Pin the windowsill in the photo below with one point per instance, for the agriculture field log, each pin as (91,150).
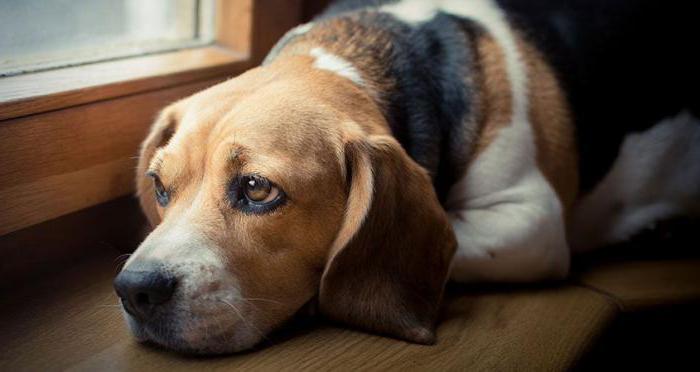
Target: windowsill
(55,89)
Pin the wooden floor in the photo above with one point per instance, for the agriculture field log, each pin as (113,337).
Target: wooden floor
(70,321)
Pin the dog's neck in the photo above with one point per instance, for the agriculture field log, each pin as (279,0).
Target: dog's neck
(419,76)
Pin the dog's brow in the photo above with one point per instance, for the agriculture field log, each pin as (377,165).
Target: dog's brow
(236,154)
(157,162)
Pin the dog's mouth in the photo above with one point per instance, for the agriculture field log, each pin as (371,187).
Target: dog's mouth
(204,329)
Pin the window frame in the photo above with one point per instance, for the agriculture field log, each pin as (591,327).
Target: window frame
(237,46)
(52,163)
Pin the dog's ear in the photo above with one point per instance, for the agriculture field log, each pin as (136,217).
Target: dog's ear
(161,132)
(387,269)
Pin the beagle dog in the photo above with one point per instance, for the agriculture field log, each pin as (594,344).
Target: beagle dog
(388,146)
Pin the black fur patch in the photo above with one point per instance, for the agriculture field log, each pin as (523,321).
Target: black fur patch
(431,103)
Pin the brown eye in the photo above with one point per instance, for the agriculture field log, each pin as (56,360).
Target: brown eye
(255,194)
(259,190)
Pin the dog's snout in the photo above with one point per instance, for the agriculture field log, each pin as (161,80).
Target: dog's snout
(142,289)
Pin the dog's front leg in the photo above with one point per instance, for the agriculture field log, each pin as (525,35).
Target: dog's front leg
(513,235)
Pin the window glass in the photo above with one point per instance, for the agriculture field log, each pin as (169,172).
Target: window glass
(43,34)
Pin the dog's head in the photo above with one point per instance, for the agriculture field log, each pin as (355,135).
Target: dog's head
(272,189)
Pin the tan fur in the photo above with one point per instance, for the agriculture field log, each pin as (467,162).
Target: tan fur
(493,98)
(553,126)
(305,130)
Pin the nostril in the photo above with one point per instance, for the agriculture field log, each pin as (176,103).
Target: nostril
(159,291)
(143,288)
(142,299)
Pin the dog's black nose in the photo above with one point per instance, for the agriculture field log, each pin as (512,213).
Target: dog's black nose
(142,288)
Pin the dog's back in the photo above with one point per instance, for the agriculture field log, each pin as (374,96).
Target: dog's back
(625,64)
(628,71)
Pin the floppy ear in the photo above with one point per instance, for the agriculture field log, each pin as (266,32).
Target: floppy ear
(161,132)
(388,266)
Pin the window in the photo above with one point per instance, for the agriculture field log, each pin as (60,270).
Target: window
(84,80)
(72,32)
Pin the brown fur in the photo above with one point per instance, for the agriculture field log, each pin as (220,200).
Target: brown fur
(388,267)
(493,97)
(553,127)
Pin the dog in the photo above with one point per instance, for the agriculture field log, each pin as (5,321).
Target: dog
(388,146)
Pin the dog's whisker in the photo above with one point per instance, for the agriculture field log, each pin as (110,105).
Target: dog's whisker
(244,320)
(120,260)
(261,300)
(122,257)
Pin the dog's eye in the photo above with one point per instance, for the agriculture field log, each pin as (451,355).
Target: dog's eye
(259,190)
(162,195)
(256,194)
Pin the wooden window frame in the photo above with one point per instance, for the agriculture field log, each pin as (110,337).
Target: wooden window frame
(69,137)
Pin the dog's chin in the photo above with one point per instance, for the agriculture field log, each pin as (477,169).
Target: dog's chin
(192,337)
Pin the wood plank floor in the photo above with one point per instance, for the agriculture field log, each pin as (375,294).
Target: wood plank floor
(71,322)
(643,285)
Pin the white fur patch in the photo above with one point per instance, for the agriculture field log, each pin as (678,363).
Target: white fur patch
(179,243)
(338,65)
(302,29)
(190,255)
(411,11)
(291,34)
(176,242)
(655,176)
(515,233)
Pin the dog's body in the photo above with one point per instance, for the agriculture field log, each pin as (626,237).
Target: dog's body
(485,95)
(497,110)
